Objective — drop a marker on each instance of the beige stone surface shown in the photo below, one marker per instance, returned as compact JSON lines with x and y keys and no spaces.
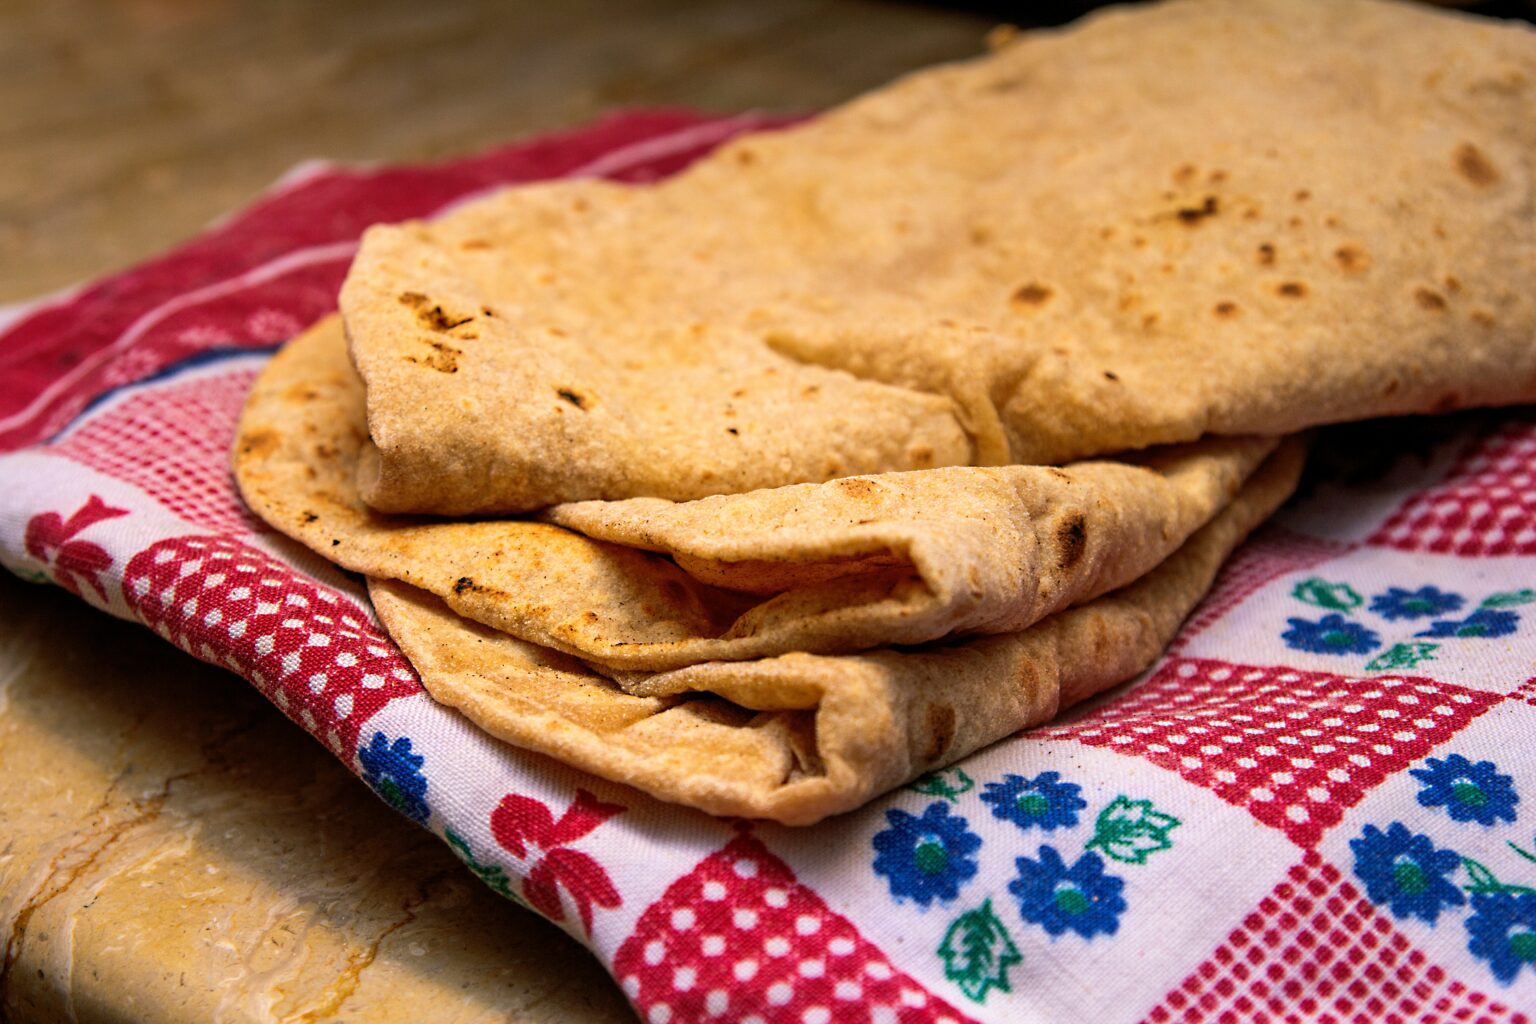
{"x":173,"y":849}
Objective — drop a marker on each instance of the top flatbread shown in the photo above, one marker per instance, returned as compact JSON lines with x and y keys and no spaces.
{"x":1230,"y":216}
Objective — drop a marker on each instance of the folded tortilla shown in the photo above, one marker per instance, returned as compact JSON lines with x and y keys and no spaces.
{"x":1229,"y":217}
{"x":800,"y":736}
{"x":650,"y":585}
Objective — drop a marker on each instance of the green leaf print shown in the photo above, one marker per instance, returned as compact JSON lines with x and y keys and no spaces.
{"x":947,"y":784}
{"x":1339,"y":597}
{"x":977,"y":952}
{"x":1404,"y":655}
{"x":1130,"y":831}
{"x":490,"y":874}
{"x":1509,"y":598}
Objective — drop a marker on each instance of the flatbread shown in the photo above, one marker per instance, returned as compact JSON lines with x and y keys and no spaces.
{"x":857,"y":563}
{"x":798,"y":737}
{"x":1231,"y":217}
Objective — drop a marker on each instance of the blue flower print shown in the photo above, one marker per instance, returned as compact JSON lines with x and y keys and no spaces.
{"x":395,"y":774}
{"x":1406,"y":871}
{"x":1081,"y":898}
{"x":1503,"y":930}
{"x":1398,"y":603}
{"x":1469,"y":792}
{"x":1045,"y":801}
{"x":927,"y":858}
{"x":1333,"y":634}
{"x":1485,"y":622}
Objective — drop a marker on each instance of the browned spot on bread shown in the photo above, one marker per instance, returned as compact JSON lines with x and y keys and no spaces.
{"x":1218,"y":176}
{"x":1429,"y":299}
{"x":475,"y":243}
{"x":922,"y":455}
{"x":1391,"y":387}
{"x":1225,"y":309}
{"x":260,"y":443}
{"x":1059,"y":474}
{"x":1251,"y":213}
{"x":1302,"y":195}
{"x":1351,"y":258}
{"x":980,"y":235}
{"x":412,"y":299}
{"x":1448,"y":401}
{"x":1184,"y":174}
{"x":462,"y":584}
{"x":941,"y":731}
{"x":1195,"y":214}
{"x":437,"y":320}
{"x":856,"y":487}
{"x":1294,"y":222}
{"x":1032,"y":294}
{"x":1111,"y":375}
{"x":443,"y":359}
{"x":1107,"y":232}
{"x":1138,"y":242}
{"x":1292,"y":290}
{"x":1482,"y":318}
{"x":745,"y":156}
{"x":1150,"y":320}
{"x":310,"y":517}
{"x":1266,"y":254}
{"x":566,"y":394}
{"x":1072,"y":539}
{"x":1452,"y":283}
{"x":1474,"y":166}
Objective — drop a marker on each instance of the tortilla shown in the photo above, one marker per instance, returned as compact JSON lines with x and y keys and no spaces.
{"x":1230,"y":217}
{"x":798,"y":737}
{"x":857,"y":563}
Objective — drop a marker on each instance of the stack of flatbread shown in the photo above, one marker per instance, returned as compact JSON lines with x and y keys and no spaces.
{"x":858,"y":446}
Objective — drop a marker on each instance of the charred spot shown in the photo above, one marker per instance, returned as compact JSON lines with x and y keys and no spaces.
{"x":487,"y":311}
{"x":413,"y":299}
{"x":1032,"y":294}
{"x":1072,"y":537}
{"x":1292,"y":290}
{"x":1112,"y":375}
{"x":1225,"y":309}
{"x":310,"y":517}
{"x":733,"y":431}
{"x":1351,"y":258}
{"x":567,"y":395}
{"x":437,"y":320}
{"x":335,"y":542}
{"x":1266,"y":254}
{"x":941,"y":731}
{"x":1429,"y":299}
{"x":1196,"y":214}
{"x":1474,"y":166}
{"x":462,"y":584}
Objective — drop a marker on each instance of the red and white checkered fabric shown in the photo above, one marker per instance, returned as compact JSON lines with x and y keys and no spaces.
{"x":1320,"y":806}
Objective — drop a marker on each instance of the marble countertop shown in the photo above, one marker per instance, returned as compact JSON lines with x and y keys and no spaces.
{"x":171,"y":848}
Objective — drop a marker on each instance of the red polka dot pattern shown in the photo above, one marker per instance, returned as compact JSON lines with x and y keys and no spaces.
{"x":314,"y":653}
{"x":173,"y":444}
{"x":1486,"y":505}
{"x":1316,"y":950}
{"x":1295,"y":748}
{"x":738,"y":939}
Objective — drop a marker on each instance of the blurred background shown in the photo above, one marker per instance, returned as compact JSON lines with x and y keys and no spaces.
{"x":128,"y":124}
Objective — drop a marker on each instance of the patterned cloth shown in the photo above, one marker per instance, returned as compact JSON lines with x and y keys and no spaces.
{"x":1320,"y":805}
